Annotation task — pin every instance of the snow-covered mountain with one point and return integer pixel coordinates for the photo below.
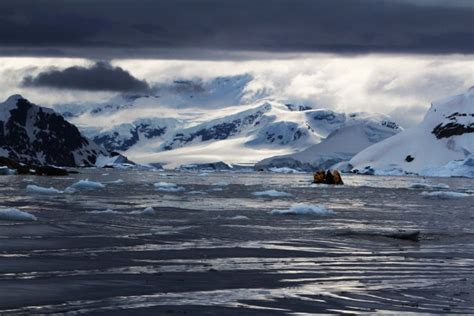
(197, 121)
(340, 145)
(445, 135)
(238, 134)
(36, 135)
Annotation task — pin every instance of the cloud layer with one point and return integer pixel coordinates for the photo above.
(101, 76)
(402, 86)
(206, 29)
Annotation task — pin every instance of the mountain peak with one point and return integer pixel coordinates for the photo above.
(14, 98)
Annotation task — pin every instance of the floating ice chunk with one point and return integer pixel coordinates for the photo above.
(13, 214)
(118, 181)
(146, 211)
(5, 171)
(440, 186)
(87, 185)
(168, 187)
(273, 193)
(106, 212)
(304, 209)
(197, 192)
(284, 170)
(35, 189)
(149, 211)
(239, 217)
(221, 184)
(203, 174)
(444, 195)
(419, 185)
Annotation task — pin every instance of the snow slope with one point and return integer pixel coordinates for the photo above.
(446, 134)
(341, 145)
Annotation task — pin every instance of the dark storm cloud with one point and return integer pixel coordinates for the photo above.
(170, 28)
(100, 77)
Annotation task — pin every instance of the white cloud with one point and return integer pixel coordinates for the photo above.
(391, 84)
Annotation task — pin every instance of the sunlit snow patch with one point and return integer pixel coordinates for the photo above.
(272, 193)
(87, 185)
(444, 195)
(168, 187)
(304, 209)
(13, 214)
(35, 189)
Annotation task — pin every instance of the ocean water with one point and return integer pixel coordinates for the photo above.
(215, 248)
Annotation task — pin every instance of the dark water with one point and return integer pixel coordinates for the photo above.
(193, 258)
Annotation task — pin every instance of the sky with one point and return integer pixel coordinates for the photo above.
(387, 56)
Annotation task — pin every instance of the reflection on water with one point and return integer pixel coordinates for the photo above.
(195, 255)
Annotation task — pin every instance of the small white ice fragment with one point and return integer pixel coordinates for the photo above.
(440, 186)
(35, 189)
(88, 185)
(304, 209)
(13, 214)
(221, 184)
(272, 193)
(146, 211)
(239, 217)
(168, 187)
(106, 212)
(444, 195)
(284, 170)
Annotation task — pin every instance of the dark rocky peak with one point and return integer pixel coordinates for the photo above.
(33, 134)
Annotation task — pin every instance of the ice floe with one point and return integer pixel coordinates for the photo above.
(440, 186)
(444, 195)
(239, 217)
(5, 171)
(304, 209)
(284, 170)
(35, 189)
(87, 185)
(272, 193)
(13, 214)
(221, 184)
(419, 185)
(146, 211)
(168, 187)
(118, 181)
(106, 212)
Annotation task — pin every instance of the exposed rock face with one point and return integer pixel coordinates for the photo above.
(124, 136)
(35, 135)
(30, 169)
(216, 130)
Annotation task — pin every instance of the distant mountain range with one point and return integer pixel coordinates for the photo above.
(183, 124)
(201, 122)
